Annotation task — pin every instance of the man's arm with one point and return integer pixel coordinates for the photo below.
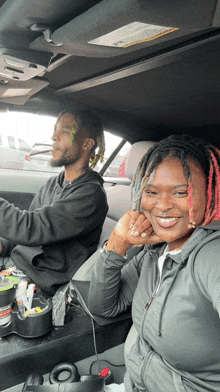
(76, 214)
(6, 247)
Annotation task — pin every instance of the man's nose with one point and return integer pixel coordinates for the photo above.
(56, 135)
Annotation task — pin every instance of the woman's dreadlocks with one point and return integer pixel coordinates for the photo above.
(183, 147)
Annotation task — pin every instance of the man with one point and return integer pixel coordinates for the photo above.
(62, 227)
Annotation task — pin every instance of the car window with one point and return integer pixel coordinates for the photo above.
(22, 145)
(23, 134)
(11, 142)
(19, 132)
(116, 168)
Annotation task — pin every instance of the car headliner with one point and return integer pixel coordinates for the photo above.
(144, 92)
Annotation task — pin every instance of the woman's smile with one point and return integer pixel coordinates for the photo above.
(166, 222)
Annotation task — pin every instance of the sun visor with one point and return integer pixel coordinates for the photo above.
(18, 92)
(113, 27)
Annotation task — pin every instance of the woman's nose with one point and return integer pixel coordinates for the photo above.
(164, 203)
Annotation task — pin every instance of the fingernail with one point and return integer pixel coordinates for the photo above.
(143, 235)
(131, 225)
(132, 232)
(136, 234)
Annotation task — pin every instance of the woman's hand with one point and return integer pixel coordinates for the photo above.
(132, 229)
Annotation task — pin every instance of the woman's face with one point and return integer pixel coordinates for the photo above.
(165, 201)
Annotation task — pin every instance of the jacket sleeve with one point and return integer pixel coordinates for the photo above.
(77, 213)
(206, 270)
(6, 247)
(113, 283)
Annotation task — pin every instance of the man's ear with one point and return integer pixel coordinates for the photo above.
(88, 144)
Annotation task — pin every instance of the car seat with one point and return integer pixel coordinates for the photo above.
(119, 201)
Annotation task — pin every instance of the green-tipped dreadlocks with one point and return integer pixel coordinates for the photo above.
(94, 158)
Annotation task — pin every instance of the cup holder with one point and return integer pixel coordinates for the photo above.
(34, 325)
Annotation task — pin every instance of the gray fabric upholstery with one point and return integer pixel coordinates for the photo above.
(134, 156)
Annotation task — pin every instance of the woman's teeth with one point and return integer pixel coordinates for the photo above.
(166, 220)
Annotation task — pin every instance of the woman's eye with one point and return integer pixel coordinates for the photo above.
(181, 193)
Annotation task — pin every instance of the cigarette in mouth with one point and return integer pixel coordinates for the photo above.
(40, 152)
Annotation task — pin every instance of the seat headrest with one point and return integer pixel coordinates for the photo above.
(134, 156)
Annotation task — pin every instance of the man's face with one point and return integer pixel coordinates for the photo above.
(66, 149)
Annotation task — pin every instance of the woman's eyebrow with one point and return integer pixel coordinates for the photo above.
(181, 186)
(176, 186)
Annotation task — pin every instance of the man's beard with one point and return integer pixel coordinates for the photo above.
(64, 160)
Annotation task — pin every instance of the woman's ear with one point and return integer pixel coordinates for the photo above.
(88, 144)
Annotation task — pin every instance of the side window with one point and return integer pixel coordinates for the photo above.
(20, 133)
(22, 145)
(11, 142)
(116, 168)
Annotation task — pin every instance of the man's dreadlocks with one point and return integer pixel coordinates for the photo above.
(184, 148)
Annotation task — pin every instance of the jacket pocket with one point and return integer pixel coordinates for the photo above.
(180, 384)
(135, 362)
(159, 376)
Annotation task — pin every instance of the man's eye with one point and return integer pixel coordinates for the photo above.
(66, 130)
(151, 193)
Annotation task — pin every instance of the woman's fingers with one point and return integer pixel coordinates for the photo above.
(133, 217)
(140, 224)
(148, 238)
(132, 229)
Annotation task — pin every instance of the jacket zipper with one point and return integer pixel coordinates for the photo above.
(150, 302)
(146, 309)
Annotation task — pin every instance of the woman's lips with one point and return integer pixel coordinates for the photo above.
(166, 222)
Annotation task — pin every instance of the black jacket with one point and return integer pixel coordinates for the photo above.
(59, 232)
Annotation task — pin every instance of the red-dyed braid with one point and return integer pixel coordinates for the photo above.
(216, 211)
(190, 201)
(209, 195)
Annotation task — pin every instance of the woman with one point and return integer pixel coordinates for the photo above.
(174, 282)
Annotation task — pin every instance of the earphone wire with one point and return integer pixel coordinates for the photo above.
(93, 332)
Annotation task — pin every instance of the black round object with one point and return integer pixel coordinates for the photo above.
(62, 367)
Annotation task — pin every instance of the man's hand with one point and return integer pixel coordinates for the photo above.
(132, 229)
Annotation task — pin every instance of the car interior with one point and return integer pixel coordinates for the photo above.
(149, 69)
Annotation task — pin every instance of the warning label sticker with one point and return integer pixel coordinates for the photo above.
(132, 34)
